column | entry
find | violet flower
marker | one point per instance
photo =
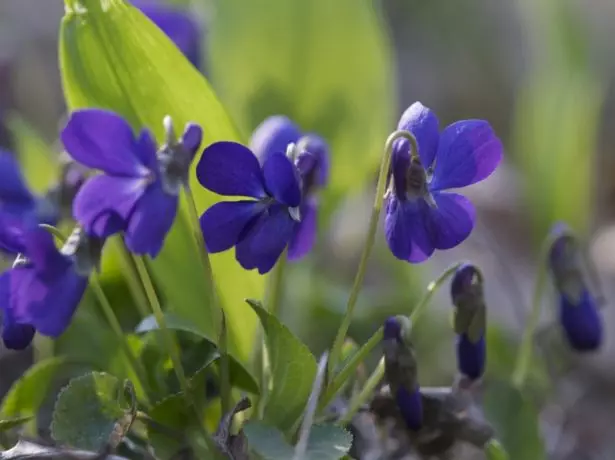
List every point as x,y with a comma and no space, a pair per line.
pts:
274,135
260,229
43,289
420,215
578,309
470,320
138,192
177,24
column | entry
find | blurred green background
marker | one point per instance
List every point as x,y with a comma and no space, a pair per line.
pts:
540,71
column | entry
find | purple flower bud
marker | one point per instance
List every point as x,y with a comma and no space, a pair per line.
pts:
410,404
471,356
581,322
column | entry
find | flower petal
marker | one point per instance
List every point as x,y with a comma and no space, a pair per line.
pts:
451,221
146,150
400,162
273,136
469,151
265,241
305,232
191,138
105,197
15,336
43,253
11,233
313,163
229,168
471,356
101,139
223,223
410,404
581,322
46,304
405,229
281,180
14,194
150,221
423,123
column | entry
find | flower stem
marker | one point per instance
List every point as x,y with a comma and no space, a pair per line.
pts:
376,376
136,365
524,355
275,285
132,278
338,343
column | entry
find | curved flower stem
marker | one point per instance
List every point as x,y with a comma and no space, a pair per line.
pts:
524,355
338,343
275,285
132,278
378,373
136,365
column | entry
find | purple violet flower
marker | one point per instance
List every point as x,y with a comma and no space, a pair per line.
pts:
43,289
420,215
578,309
274,135
470,320
260,229
177,24
138,192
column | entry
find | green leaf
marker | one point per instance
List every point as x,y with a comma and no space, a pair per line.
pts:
171,412
326,442
495,451
240,376
293,369
514,419
26,396
11,423
331,71
87,410
112,56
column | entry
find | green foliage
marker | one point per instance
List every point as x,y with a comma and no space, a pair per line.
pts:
87,411
293,369
330,70
10,423
111,56
326,442
495,451
515,420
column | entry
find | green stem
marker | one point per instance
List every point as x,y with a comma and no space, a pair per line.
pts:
275,285
136,365
225,371
338,343
376,376
524,356
132,278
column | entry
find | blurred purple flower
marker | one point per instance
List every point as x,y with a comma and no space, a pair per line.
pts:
259,229
578,309
274,135
41,292
138,192
177,24
19,208
420,215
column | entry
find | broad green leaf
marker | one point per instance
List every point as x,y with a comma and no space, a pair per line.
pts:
293,369
39,166
112,56
10,423
325,64
87,411
514,419
171,412
240,376
326,442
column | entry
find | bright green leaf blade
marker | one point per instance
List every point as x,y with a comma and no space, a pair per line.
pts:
116,58
11,423
331,71
293,369
240,376
267,442
515,421
495,451
87,410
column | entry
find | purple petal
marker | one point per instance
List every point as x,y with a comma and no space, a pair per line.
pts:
46,304
423,123
471,356
14,194
192,138
146,150
103,140
451,221
405,229
313,163
223,223
410,404
400,162
469,151
15,336
43,253
273,136
103,198
177,25
263,244
581,322
12,231
150,221
305,232
281,180
229,168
